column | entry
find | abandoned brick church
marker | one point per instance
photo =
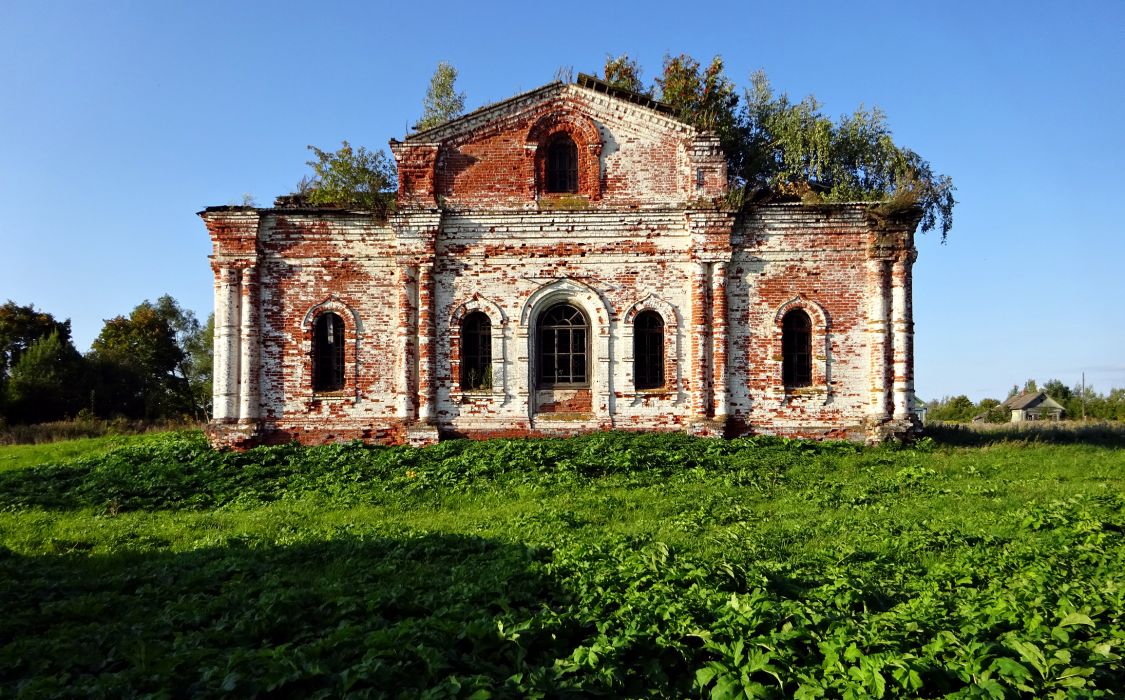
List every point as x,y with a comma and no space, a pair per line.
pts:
559,262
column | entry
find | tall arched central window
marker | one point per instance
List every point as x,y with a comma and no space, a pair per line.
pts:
476,352
648,350
796,349
563,354
562,165
328,353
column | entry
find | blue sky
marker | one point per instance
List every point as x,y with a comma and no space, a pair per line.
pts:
120,120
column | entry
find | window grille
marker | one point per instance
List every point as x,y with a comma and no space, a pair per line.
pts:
796,349
476,352
562,165
563,352
648,350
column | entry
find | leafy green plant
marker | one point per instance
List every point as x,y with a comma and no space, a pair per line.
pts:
354,179
613,565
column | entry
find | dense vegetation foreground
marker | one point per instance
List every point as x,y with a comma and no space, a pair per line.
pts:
614,564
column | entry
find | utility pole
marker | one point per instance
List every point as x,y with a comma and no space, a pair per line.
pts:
1083,397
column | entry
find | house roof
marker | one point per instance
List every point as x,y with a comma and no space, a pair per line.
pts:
1030,399
584,81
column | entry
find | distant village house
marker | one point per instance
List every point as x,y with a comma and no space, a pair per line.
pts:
1033,405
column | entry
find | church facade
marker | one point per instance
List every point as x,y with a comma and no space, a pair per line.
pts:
559,262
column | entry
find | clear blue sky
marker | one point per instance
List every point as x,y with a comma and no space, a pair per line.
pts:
120,120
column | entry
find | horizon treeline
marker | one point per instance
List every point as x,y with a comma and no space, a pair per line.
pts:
152,364
1079,403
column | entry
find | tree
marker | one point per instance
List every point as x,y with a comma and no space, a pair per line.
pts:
141,363
20,327
1057,390
198,349
779,148
993,411
706,99
442,102
192,374
792,147
47,381
959,409
624,73
353,178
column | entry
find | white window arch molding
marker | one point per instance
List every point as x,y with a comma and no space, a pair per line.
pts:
673,381
353,334
498,322
820,343
600,315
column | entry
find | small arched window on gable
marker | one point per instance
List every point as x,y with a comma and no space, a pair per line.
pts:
796,349
328,353
648,350
562,165
476,352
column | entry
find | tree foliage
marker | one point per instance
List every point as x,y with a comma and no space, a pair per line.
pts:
142,356
1078,402
353,178
134,355
793,147
779,147
442,102
154,363
706,99
624,73
957,409
20,327
46,381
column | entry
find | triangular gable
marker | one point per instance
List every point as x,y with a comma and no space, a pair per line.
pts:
627,150
588,89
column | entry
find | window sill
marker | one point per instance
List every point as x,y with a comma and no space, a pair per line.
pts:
565,416
468,395
659,391
331,395
805,390
803,395
563,201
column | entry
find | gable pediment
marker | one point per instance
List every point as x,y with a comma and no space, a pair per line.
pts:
629,150
557,98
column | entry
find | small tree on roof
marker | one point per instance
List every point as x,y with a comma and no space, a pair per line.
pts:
442,102
353,178
623,72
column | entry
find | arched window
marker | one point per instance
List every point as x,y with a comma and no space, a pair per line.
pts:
563,354
328,353
796,349
562,165
648,350
476,352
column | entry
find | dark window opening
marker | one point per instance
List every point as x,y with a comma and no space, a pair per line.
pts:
562,165
328,353
476,352
796,349
648,350
562,347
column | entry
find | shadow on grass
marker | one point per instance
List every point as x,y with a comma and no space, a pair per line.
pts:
386,617
962,435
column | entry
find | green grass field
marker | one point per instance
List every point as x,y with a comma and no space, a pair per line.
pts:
20,456
615,564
